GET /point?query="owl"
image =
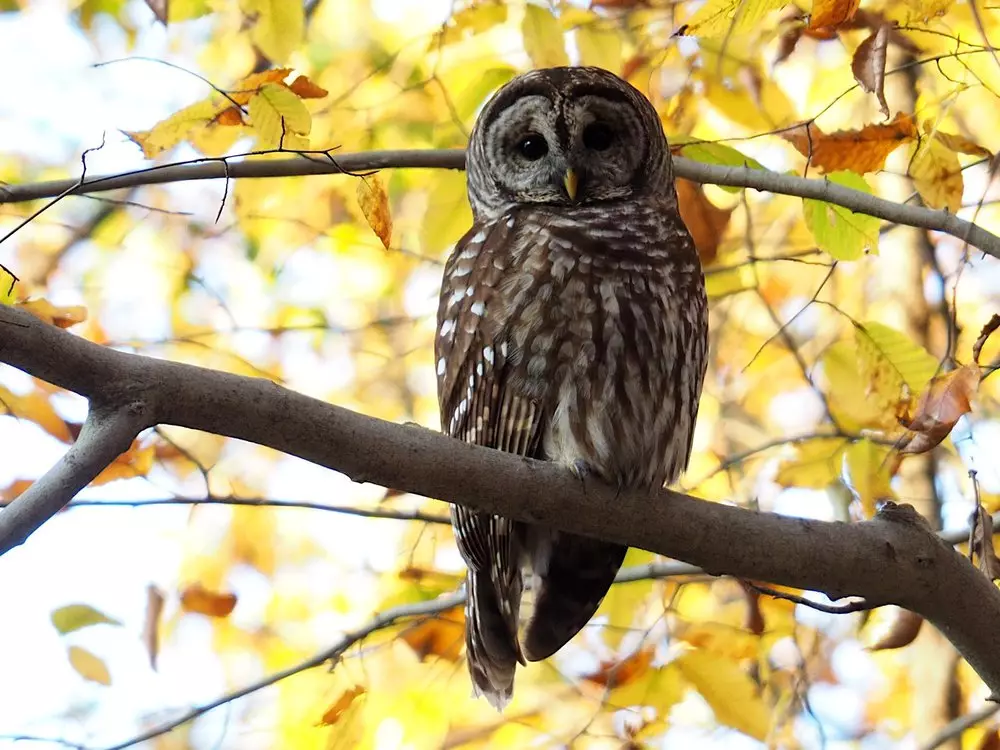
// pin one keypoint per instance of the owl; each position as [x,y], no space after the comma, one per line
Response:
[572,327]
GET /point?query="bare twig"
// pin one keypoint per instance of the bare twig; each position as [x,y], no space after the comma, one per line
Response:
[831,609]
[955,728]
[379,622]
[746,177]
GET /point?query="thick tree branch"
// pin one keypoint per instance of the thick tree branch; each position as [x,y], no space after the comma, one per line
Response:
[892,559]
[764,180]
[106,434]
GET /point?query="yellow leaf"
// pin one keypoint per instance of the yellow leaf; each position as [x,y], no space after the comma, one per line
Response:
[276,114]
[196,598]
[475,19]
[870,469]
[448,215]
[7,282]
[543,38]
[816,464]
[962,145]
[889,359]
[169,132]
[725,281]
[728,17]
[842,373]
[726,687]
[374,203]
[599,44]
[661,688]
[937,174]
[89,666]
[75,616]
[135,462]
[279,29]
[61,317]
[336,710]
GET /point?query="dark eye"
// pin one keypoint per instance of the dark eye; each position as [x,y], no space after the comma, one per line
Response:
[532,147]
[598,136]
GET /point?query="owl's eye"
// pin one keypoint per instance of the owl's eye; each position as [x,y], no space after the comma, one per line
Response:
[598,136]
[532,147]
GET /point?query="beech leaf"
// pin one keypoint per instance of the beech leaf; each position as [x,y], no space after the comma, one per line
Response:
[374,203]
[868,65]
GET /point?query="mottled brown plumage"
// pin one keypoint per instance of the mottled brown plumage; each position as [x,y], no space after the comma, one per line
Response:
[572,327]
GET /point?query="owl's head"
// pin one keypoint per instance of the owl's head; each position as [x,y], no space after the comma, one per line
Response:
[566,136]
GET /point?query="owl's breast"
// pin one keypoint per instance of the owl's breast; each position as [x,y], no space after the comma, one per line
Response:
[599,338]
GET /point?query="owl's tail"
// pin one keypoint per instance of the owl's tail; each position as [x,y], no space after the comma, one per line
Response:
[490,644]
[571,575]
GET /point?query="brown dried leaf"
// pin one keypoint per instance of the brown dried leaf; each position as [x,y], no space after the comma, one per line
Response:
[832,12]
[441,636]
[151,626]
[196,598]
[788,40]
[902,632]
[753,622]
[706,222]
[990,741]
[374,203]
[338,707]
[306,89]
[868,65]
[981,543]
[859,151]
[60,317]
[984,334]
[614,673]
[962,145]
[160,9]
[940,407]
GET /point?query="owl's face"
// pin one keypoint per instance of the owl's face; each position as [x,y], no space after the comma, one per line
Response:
[565,136]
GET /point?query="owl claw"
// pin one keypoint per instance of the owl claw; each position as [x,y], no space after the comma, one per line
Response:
[581,469]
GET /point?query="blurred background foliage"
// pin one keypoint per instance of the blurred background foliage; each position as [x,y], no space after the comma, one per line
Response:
[827,328]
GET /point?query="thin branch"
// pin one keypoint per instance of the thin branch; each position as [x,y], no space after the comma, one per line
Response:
[264,502]
[954,729]
[106,434]
[891,559]
[745,177]
[381,621]
[830,609]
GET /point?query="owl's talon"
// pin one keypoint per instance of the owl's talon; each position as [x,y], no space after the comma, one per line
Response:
[581,469]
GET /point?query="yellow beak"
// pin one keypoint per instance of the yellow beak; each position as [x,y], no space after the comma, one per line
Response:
[571,182]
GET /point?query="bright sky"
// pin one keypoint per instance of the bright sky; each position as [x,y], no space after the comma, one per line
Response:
[53,108]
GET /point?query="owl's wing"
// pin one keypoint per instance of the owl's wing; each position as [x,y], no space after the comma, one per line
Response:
[479,407]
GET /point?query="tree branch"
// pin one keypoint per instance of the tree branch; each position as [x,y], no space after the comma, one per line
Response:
[891,559]
[746,177]
[381,621]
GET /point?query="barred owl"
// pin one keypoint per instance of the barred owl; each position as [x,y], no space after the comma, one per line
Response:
[572,327]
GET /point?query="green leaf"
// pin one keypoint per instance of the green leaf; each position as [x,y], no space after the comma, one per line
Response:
[89,666]
[543,38]
[717,153]
[75,616]
[839,231]
[889,356]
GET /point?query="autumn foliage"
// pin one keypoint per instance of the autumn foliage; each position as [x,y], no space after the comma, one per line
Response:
[852,363]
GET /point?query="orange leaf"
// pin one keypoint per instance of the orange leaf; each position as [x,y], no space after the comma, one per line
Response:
[374,202]
[832,12]
[61,317]
[306,89]
[942,404]
[243,91]
[14,490]
[198,599]
[231,116]
[338,707]
[135,462]
[441,636]
[35,407]
[859,151]
[706,222]
[613,673]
